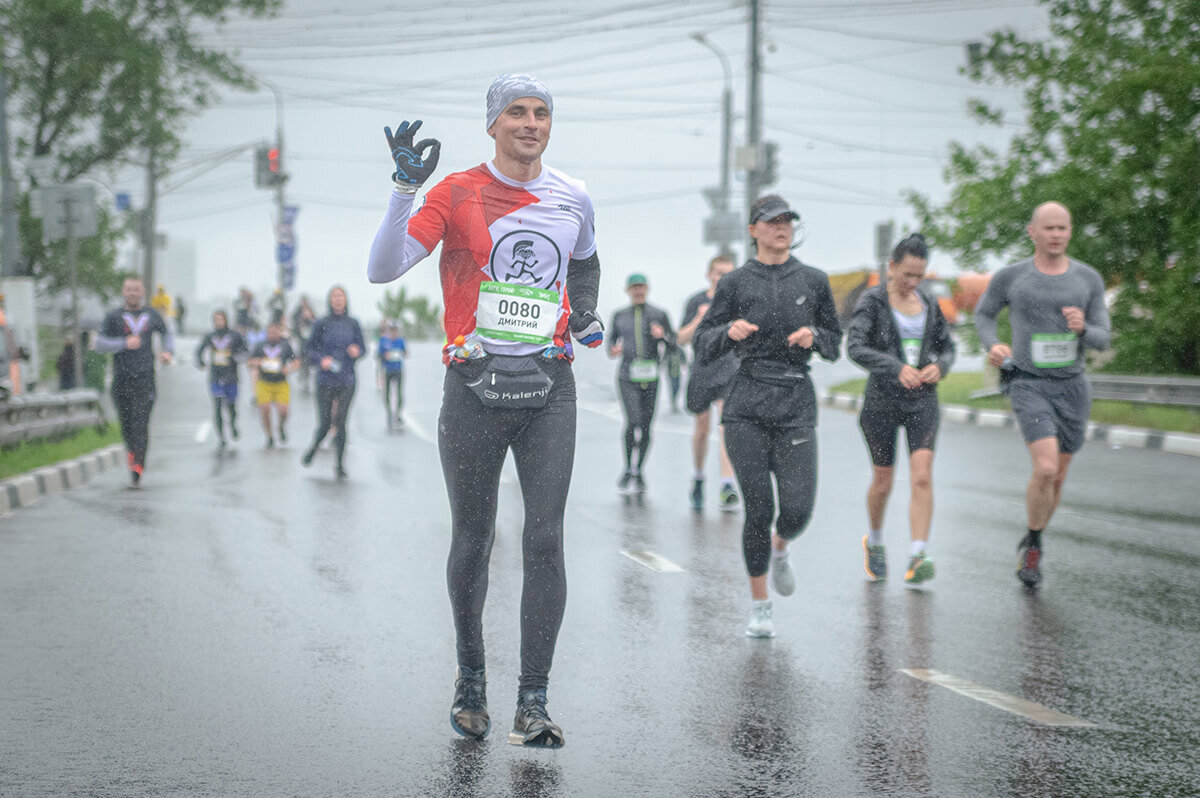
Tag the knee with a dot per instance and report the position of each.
(922, 482)
(881, 481)
(1045, 474)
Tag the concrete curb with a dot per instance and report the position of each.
(1131, 437)
(24, 490)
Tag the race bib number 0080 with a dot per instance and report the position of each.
(516, 313)
(1054, 350)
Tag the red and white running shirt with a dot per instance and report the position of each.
(505, 249)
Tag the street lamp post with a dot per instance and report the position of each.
(726, 139)
(280, 277)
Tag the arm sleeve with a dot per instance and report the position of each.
(990, 304)
(614, 331)
(858, 346)
(583, 283)
(241, 352)
(109, 345)
(827, 336)
(712, 339)
(1097, 328)
(394, 250)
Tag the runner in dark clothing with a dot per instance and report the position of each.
(336, 344)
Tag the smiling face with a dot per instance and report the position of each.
(522, 130)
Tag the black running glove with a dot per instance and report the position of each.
(412, 166)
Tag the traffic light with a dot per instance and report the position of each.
(768, 174)
(268, 167)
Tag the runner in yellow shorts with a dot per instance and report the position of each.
(271, 362)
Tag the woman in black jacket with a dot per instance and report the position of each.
(899, 335)
(774, 312)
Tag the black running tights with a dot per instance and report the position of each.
(757, 452)
(473, 441)
(134, 399)
(639, 400)
(328, 415)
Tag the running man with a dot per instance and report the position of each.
(1056, 305)
(899, 335)
(708, 383)
(227, 348)
(775, 312)
(517, 238)
(126, 333)
(641, 335)
(392, 352)
(272, 361)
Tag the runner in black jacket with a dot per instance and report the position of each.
(899, 335)
(774, 312)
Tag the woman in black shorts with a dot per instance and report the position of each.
(899, 335)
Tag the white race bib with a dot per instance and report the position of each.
(1054, 350)
(393, 356)
(912, 351)
(643, 370)
(516, 313)
(220, 357)
(271, 365)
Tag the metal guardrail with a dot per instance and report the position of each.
(44, 415)
(1179, 391)
(1151, 390)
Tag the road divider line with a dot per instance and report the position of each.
(411, 424)
(202, 433)
(654, 562)
(1008, 703)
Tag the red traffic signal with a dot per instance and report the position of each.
(273, 160)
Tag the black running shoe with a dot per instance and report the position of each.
(532, 727)
(639, 484)
(1029, 558)
(282, 434)
(340, 472)
(308, 456)
(697, 494)
(270, 443)
(233, 433)
(623, 484)
(469, 715)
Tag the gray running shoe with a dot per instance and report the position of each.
(1029, 558)
(469, 715)
(532, 726)
(760, 624)
(783, 578)
(874, 561)
(697, 496)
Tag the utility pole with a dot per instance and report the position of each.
(10, 250)
(150, 220)
(722, 225)
(753, 116)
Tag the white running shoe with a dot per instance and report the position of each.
(783, 578)
(760, 624)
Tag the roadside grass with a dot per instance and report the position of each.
(957, 388)
(34, 454)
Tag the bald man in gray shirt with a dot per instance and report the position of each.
(1056, 305)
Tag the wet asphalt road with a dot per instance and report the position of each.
(241, 626)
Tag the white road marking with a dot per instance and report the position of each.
(203, 432)
(997, 699)
(411, 425)
(653, 561)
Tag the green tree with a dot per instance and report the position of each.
(1112, 117)
(420, 318)
(95, 84)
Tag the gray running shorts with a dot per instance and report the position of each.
(1052, 408)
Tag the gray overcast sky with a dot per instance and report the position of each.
(863, 97)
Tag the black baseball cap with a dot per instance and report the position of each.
(772, 206)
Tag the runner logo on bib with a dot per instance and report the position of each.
(1054, 350)
(517, 313)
